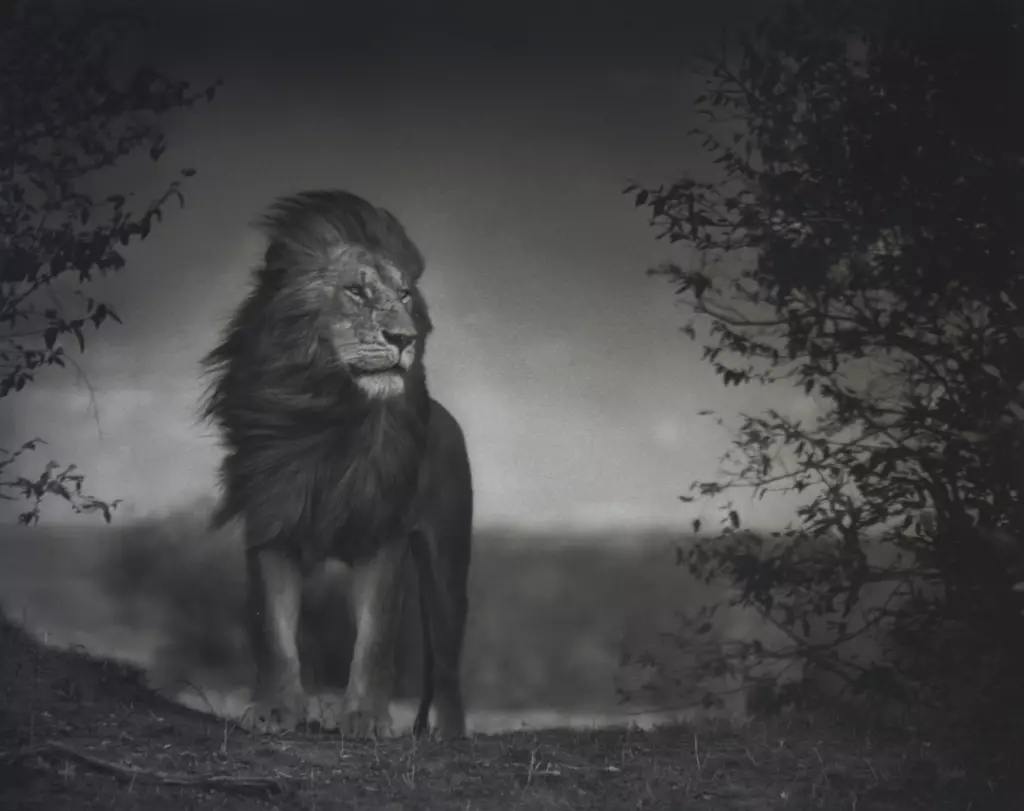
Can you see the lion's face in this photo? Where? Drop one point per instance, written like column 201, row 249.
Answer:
column 368, row 319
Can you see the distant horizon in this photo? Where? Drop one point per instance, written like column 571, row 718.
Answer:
column 637, row 530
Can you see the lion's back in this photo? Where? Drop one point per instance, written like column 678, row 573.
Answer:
column 446, row 484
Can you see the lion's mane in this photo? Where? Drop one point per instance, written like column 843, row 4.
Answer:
column 311, row 461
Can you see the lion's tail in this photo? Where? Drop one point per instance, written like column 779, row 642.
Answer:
column 421, row 557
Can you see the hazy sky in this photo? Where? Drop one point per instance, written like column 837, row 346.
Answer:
column 505, row 155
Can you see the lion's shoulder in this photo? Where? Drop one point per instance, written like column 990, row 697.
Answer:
column 446, row 462
column 442, row 421
column 444, row 433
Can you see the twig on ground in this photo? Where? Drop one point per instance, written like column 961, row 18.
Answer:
column 250, row 785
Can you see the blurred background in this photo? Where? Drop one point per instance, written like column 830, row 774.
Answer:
column 504, row 147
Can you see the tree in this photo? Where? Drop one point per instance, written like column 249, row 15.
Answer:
column 64, row 120
column 865, row 244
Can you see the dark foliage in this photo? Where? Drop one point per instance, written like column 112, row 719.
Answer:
column 865, row 245
column 65, row 118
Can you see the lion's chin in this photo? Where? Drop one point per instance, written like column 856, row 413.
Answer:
column 381, row 385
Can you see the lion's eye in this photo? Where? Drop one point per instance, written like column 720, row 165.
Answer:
column 357, row 291
column 404, row 296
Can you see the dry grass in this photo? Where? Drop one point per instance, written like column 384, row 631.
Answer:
column 78, row 733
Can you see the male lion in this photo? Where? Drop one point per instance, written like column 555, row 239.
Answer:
column 336, row 450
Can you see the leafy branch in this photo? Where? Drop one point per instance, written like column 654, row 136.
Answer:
column 64, row 119
column 861, row 243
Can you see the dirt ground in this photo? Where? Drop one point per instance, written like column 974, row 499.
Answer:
column 77, row 733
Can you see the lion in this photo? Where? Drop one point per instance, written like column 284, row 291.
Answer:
column 336, row 451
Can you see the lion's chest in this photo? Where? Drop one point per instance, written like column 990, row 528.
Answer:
column 332, row 486
column 361, row 489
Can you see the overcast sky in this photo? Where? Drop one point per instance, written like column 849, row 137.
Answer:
column 504, row 151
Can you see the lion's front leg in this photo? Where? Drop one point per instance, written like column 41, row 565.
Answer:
column 274, row 595
column 364, row 711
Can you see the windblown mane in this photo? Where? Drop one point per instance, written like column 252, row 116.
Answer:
column 312, row 462
column 313, row 224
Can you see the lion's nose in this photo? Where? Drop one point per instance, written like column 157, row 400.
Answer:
column 399, row 339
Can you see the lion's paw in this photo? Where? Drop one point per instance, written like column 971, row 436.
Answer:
column 336, row 715
column 450, row 729
column 451, row 717
column 282, row 713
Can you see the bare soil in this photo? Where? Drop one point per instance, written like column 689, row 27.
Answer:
column 78, row 733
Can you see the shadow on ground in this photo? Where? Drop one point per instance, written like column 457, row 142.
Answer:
column 77, row 733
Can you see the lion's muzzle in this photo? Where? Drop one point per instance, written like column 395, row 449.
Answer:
column 404, row 341
column 382, row 351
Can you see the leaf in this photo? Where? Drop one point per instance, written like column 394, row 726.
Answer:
column 641, row 197
column 973, row 436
